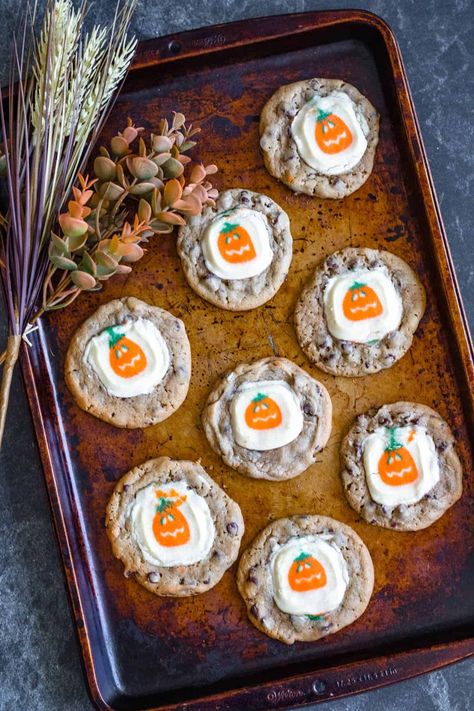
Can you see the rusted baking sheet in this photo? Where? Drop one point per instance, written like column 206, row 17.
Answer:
column 202, row 653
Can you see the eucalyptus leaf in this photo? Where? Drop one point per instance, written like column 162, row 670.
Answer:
column 88, row 265
column 83, row 280
column 110, row 191
column 172, row 168
column 105, row 260
column 104, row 272
column 187, row 145
column 59, row 245
column 141, row 189
column 63, row 262
column 77, row 242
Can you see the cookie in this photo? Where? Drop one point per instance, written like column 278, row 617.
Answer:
column 400, row 469
column 129, row 363
column 305, row 577
column 268, row 419
column 174, row 529
column 359, row 311
column 237, row 255
column 319, row 137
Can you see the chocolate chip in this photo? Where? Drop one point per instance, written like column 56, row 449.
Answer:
column 442, row 446
column 232, row 528
column 244, row 199
column 206, row 581
column 308, row 409
column 383, row 420
column 331, row 264
column 153, row 577
column 346, row 347
column 254, row 611
column 252, row 579
column 130, row 573
column 321, row 339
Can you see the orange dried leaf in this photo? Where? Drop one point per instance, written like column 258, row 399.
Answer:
column 198, row 174
column 133, row 254
column 171, row 218
column 172, row 192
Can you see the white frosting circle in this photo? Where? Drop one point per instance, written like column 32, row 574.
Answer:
column 346, row 291
column 306, row 549
column 241, row 234
column 422, row 451
column 142, row 333
column 184, row 516
column 325, row 108
column 273, row 408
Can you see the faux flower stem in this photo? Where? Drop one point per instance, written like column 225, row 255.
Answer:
column 11, row 356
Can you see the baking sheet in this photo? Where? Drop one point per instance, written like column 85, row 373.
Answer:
column 141, row 651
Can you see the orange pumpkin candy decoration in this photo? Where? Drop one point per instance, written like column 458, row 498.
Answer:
column 170, row 526
column 235, row 244
column 306, row 573
column 263, row 413
column 361, row 302
column 126, row 357
column 331, row 133
column 396, row 465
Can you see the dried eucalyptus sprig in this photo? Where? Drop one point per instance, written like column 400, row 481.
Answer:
column 132, row 197
column 155, row 172
column 65, row 83
column 83, row 256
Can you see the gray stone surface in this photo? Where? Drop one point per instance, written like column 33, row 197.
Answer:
column 39, row 662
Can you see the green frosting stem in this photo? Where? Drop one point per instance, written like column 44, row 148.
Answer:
column 228, row 227
column 322, row 115
column 393, row 442
column 114, row 336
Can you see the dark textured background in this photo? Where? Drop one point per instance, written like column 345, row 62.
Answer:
column 39, row 663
